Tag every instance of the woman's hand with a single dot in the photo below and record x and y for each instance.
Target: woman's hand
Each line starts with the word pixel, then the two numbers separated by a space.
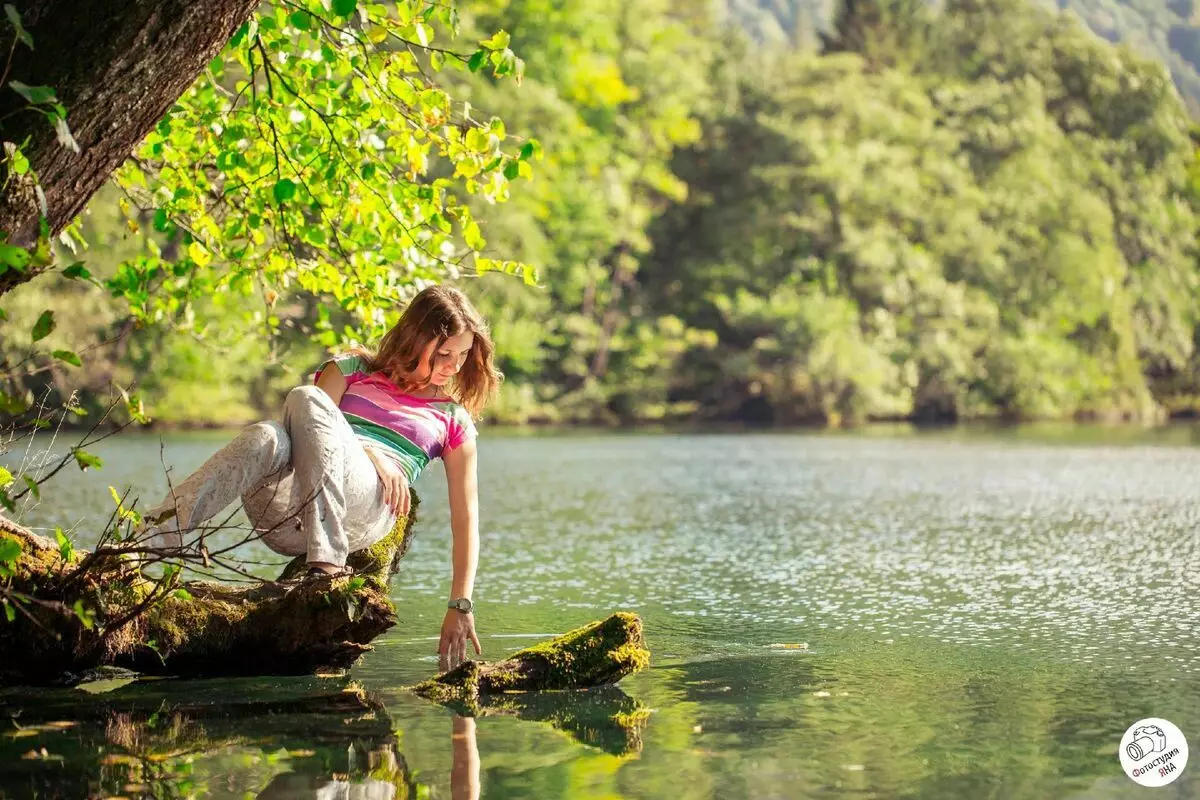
pixel 393 482
pixel 457 629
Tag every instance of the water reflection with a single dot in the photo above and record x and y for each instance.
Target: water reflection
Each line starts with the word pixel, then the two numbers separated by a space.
pixel 303 738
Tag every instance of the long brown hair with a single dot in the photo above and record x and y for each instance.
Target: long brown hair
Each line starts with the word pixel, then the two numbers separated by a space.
pixel 437 313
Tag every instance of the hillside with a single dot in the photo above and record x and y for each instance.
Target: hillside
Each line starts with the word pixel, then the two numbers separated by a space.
pixel 1167 30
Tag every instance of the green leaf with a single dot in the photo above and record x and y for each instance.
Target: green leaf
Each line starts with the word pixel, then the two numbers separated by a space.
pixel 77 271
pixel 10 613
pixel 498 42
pixel 66 549
pixel 344 8
pixel 68 357
pixel 32 485
pixel 44 325
pixel 199 254
pixel 13 256
pixel 14 19
pixel 10 550
pixel 182 594
pixel 85 459
pixel 478 59
pixel 356 583
pixel 20 164
pixel 161 223
pixel 239 34
pixel 86 616
pixel 285 190
pixel 6 477
pixel 300 20
pixel 34 94
pixel 472 236
pixel 512 169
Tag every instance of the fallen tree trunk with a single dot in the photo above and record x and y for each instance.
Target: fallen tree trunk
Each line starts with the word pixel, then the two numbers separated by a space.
pixel 271 628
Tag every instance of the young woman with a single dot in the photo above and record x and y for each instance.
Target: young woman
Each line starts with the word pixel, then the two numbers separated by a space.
pixel 333 477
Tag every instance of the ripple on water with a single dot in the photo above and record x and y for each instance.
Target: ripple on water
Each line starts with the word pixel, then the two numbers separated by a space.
pixel 1083 553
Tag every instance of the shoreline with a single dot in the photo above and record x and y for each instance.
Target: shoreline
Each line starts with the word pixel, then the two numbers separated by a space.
pixel 733 427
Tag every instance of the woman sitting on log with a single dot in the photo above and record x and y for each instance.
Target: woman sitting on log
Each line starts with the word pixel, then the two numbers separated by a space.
pixel 333 477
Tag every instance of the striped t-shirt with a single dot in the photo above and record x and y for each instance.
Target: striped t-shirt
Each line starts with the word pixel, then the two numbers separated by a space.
pixel 413 430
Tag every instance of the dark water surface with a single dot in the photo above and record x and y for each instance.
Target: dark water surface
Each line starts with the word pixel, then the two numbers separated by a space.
pixel 882 614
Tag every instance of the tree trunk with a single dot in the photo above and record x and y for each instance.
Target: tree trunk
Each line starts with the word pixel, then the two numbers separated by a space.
pixel 116 67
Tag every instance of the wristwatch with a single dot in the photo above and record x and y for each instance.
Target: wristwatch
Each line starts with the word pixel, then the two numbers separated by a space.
pixel 461 604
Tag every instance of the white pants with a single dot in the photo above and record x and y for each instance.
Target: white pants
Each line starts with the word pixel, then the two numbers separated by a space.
pixel 307 485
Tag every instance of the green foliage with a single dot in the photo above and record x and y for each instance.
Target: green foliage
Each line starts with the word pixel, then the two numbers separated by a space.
pixel 978 211
pixel 974 235
pixel 317 149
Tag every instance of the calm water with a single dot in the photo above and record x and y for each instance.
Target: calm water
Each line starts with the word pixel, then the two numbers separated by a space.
pixel 854 615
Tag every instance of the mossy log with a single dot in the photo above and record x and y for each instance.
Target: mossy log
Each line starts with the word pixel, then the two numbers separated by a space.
pixel 285 627
pixel 595 654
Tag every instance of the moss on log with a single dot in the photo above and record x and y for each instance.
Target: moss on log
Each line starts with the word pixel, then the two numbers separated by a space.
pixel 595 654
pixel 271 628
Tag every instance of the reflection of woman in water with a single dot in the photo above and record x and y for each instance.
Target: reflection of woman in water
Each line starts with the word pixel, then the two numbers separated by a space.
pixel 464 776
pixel 334 475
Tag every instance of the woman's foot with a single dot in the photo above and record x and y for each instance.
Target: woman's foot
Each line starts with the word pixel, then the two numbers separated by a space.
pixel 322 569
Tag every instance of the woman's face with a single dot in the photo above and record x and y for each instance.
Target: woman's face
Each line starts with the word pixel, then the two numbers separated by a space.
pixel 443 363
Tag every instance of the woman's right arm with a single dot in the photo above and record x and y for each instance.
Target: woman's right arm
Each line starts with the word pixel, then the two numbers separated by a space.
pixel 333 382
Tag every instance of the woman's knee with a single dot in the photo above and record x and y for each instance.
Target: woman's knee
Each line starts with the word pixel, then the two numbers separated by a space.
pixel 269 438
pixel 307 401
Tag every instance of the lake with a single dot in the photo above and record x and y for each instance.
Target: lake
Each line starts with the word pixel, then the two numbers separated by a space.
pixel 884 613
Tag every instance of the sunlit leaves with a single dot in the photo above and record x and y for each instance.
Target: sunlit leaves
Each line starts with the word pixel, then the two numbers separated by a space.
pixel 320 154
pixel 86 460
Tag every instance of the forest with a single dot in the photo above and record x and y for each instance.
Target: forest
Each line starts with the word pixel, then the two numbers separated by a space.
pixel 869 210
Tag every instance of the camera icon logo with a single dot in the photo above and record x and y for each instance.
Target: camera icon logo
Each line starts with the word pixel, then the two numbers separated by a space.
pixel 1153 752
pixel 1147 739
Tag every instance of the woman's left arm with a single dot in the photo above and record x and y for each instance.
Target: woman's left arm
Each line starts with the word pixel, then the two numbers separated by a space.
pixel 459 628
